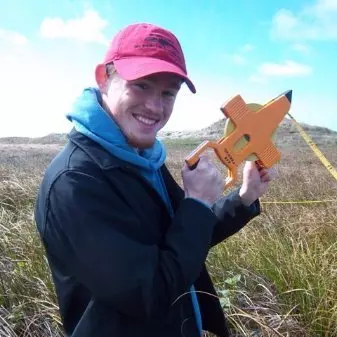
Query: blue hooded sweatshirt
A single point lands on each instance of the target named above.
(90, 119)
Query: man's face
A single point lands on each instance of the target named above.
(142, 107)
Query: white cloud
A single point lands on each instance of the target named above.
(238, 59)
(313, 22)
(301, 48)
(325, 5)
(13, 37)
(87, 28)
(248, 47)
(288, 68)
(36, 93)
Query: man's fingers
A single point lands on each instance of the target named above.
(205, 160)
(266, 178)
(263, 172)
(202, 163)
(267, 175)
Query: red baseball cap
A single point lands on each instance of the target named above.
(143, 49)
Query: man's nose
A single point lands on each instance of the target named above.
(154, 103)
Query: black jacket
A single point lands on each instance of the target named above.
(120, 265)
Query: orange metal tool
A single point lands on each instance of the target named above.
(256, 127)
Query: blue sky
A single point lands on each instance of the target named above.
(48, 52)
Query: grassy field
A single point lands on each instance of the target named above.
(277, 277)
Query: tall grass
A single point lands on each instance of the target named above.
(276, 277)
(27, 299)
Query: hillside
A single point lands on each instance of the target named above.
(286, 134)
(54, 138)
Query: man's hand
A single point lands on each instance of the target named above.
(255, 182)
(204, 182)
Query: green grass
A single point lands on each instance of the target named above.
(276, 277)
(296, 272)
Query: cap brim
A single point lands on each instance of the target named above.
(133, 68)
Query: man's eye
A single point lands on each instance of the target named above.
(169, 93)
(143, 86)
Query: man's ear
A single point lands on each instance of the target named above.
(101, 77)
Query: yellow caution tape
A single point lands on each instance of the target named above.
(314, 148)
(298, 202)
(320, 156)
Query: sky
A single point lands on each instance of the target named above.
(49, 50)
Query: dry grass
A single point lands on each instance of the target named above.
(277, 277)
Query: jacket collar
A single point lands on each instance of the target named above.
(106, 161)
(96, 152)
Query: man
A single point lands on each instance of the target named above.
(126, 245)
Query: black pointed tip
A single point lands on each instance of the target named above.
(289, 95)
